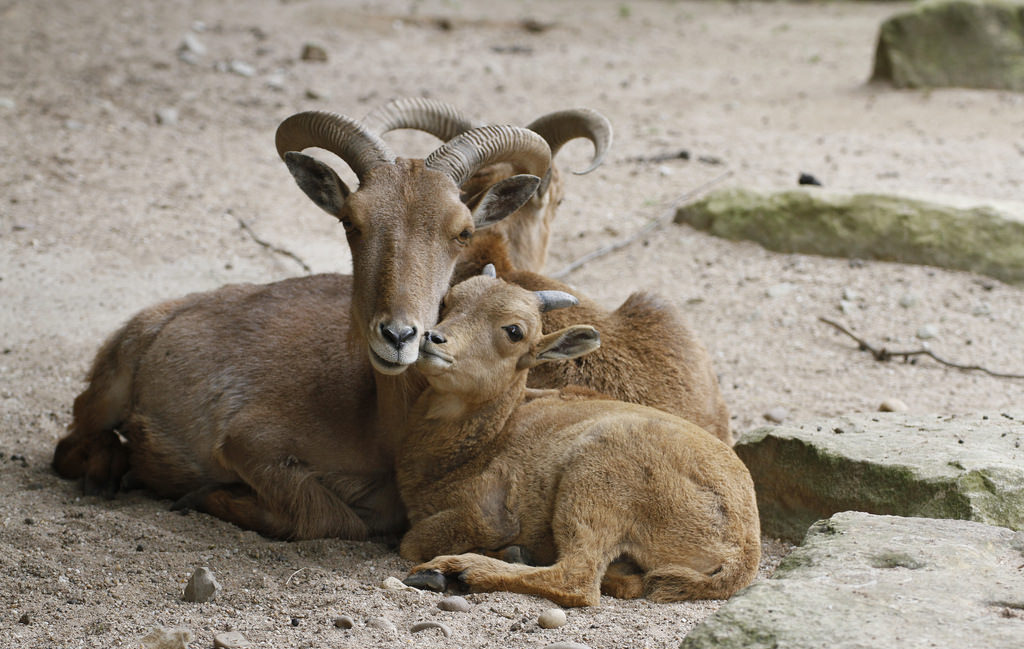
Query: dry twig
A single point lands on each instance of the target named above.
(883, 354)
(271, 247)
(651, 225)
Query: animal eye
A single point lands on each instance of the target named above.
(350, 227)
(515, 332)
(464, 236)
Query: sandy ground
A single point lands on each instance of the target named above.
(104, 210)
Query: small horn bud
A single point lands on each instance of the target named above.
(489, 271)
(551, 300)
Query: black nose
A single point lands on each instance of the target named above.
(397, 337)
(436, 338)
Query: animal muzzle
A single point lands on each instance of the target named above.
(394, 345)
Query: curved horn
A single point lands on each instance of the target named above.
(440, 119)
(343, 136)
(561, 126)
(488, 271)
(464, 154)
(551, 300)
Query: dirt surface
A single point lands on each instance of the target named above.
(104, 209)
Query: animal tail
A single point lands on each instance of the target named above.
(675, 583)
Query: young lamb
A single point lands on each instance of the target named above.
(577, 480)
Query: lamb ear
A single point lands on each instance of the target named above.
(503, 198)
(318, 181)
(567, 343)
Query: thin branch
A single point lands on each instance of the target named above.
(666, 216)
(287, 581)
(883, 354)
(271, 247)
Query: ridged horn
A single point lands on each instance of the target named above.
(464, 154)
(551, 300)
(488, 271)
(343, 136)
(440, 119)
(561, 126)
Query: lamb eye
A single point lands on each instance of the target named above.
(515, 333)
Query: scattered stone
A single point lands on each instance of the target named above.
(551, 618)
(777, 415)
(295, 621)
(201, 587)
(241, 68)
(316, 95)
(982, 46)
(276, 81)
(808, 179)
(947, 232)
(382, 623)
(847, 307)
(982, 309)
(393, 583)
(778, 290)
(892, 405)
(25, 619)
(965, 467)
(928, 331)
(454, 603)
(164, 638)
(73, 125)
(850, 294)
(190, 43)
(167, 116)
(6, 103)
(314, 52)
(566, 645)
(908, 300)
(880, 581)
(230, 640)
(423, 626)
(344, 622)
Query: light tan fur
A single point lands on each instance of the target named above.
(578, 480)
(648, 354)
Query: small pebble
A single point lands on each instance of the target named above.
(908, 300)
(454, 603)
(230, 640)
(201, 587)
(190, 43)
(275, 81)
(551, 618)
(164, 638)
(927, 332)
(664, 171)
(382, 623)
(344, 622)
(850, 294)
(241, 68)
(777, 415)
(566, 645)
(167, 116)
(393, 583)
(982, 309)
(846, 306)
(314, 52)
(423, 626)
(295, 621)
(7, 103)
(25, 619)
(892, 405)
(808, 179)
(313, 93)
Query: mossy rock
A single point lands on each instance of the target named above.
(963, 43)
(981, 238)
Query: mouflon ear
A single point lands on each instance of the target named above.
(571, 342)
(318, 181)
(504, 198)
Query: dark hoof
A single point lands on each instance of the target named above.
(427, 580)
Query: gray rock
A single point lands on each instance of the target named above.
(314, 52)
(928, 331)
(908, 300)
(382, 623)
(6, 103)
(965, 467)
(201, 586)
(344, 622)
(777, 415)
(551, 618)
(965, 43)
(241, 68)
(230, 640)
(947, 232)
(190, 43)
(164, 638)
(167, 116)
(423, 626)
(892, 405)
(862, 581)
(454, 603)
(778, 290)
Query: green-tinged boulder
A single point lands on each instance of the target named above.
(965, 43)
(986, 239)
(864, 581)
(965, 467)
